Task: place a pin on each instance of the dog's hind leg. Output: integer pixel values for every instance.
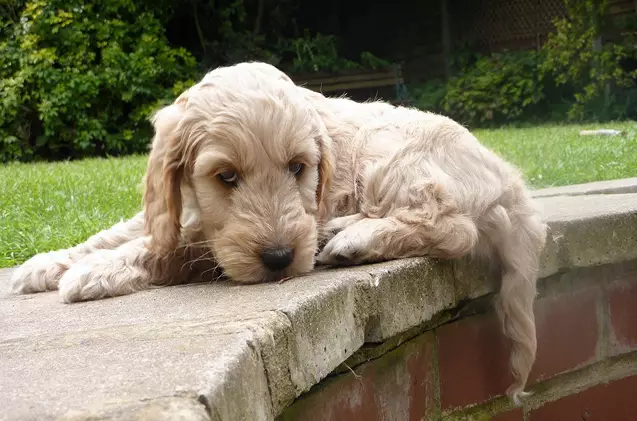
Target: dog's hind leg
(43, 271)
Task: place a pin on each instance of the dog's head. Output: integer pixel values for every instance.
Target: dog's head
(248, 156)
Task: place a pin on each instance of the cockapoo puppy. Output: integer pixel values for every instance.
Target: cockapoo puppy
(249, 173)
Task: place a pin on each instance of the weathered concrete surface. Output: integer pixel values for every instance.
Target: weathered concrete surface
(160, 409)
(227, 352)
(624, 185)
(589, 230)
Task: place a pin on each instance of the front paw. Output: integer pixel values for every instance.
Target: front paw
(82, 282)
(105, 273)
(352, 245)
(336, 225)
(40, 273)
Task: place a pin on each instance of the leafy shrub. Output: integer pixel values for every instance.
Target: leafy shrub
(429, 96)
(320, 53)
(574, 75)
(81, 78)
(317, 53)
(370, 61)
(496, 88)
(595, 75)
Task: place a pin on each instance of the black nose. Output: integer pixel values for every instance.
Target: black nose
(277, 258)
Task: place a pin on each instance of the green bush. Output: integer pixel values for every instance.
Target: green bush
(599, 82)
(80, 78)
(496, 88)
(573, 75)
(319, 53)
(429, 96)
(314, 53)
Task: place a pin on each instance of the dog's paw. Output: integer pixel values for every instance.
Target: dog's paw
(99, 275)
(353, 245)
(82, 282)
(40, 273)
(336, 225)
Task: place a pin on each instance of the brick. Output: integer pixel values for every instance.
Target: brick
(344, 398)
(420, 365)
(514, 415)
(473, 353)
(397, 386)
(567, 333)
(472, 361)
(622, 302)
(608, 402)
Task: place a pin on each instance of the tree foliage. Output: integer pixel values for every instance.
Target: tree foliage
(80, 78)
(498, 87)
(575, 56)
(580, 73)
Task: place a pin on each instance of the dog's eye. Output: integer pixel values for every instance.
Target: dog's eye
(228, 177)
(296, 168)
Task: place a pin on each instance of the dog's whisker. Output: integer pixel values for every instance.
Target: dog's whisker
(198, 259)
(196, 243)
(212, 269)
(219, 277)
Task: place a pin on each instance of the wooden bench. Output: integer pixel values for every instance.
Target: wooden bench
(356, 80)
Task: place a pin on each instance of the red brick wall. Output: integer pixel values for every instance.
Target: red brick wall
(586, 367)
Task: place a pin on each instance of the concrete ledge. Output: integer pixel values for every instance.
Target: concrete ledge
(160, 409)
(625, 185)
(226, 352)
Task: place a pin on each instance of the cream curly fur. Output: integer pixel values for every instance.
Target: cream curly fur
(378, 182)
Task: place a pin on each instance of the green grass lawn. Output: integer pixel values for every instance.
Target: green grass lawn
(558, 156)
(47, 206)
(54, 205)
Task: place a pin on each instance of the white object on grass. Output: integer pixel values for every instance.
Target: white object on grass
(601, 132)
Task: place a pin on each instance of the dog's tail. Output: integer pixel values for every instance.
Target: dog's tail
(518, 236)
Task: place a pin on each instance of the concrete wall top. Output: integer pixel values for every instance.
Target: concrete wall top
(226, 352)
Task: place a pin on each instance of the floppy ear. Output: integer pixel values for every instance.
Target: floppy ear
(162, 195)
(325, 171)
